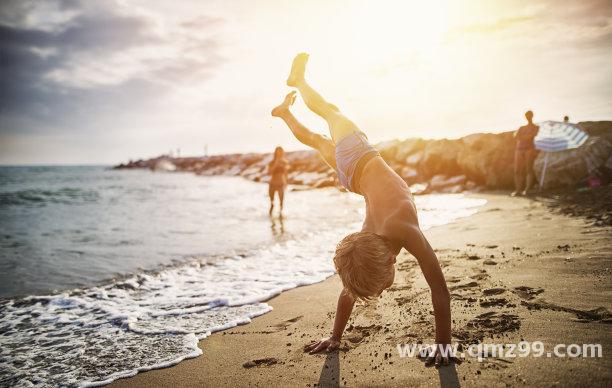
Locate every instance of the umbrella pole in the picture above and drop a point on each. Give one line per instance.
(544, 171)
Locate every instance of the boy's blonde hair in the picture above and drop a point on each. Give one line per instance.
(363, 262)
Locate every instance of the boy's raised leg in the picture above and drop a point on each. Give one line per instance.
(314, 140)
(339, 125)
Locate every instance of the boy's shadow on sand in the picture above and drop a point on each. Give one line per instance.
(448, 376)
(330, 373)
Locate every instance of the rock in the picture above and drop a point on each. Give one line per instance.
(440, 157)
(443, 183)
(414, 159)
(388, 150)
(455, 189)
(456, 180)
(307, 178)
(597, 128)
(571, 167)
(163, 165)
(418, 189)
(469, 185)
(234, 170)
(398, 151)
(248, 159)
(438, 179)
(325, 182)
(488, 159)
(409, 174)
(469, 163)
(409, 148)
(252, 172)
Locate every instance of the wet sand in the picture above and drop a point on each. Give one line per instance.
(517, 270)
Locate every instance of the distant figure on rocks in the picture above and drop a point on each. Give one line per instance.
(524, 156)
(278, 177)
(565, 119)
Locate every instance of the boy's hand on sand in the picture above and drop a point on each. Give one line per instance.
(324, 345)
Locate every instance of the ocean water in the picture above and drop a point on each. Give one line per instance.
(107, 273)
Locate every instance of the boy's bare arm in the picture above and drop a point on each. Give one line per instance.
(343, 313)
(400, 230)
(416, 243)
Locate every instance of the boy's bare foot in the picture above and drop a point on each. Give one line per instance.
(287, 102)
(298, 68)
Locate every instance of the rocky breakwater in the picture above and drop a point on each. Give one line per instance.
(307, 169)
(481, 160)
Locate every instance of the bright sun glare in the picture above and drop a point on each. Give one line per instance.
(372, 33)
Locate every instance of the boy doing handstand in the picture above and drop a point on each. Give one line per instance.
(365, 260)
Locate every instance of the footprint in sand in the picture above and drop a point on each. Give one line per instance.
(493, 291)
(399, 288)
(453, 279)
(403, 300)
(496, 302)
(356, 334)
(528, 293)
(596, 314)
(480, 274)
(407, 265)
(260, 362)
(487, 325)
(284, 324)
(464, 286)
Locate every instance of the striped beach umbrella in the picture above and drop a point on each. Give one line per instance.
(555, 136)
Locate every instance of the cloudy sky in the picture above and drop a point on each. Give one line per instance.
(105, 81)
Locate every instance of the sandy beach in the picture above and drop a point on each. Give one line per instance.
(520, 269)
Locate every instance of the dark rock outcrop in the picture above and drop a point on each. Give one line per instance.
(477, 160)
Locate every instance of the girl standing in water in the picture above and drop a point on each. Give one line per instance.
(278, 177)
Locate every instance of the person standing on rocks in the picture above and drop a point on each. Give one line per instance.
(278, 178)
(524, 156)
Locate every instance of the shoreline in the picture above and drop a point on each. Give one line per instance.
(513, 291)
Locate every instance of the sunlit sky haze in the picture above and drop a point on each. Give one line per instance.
(103, 82)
